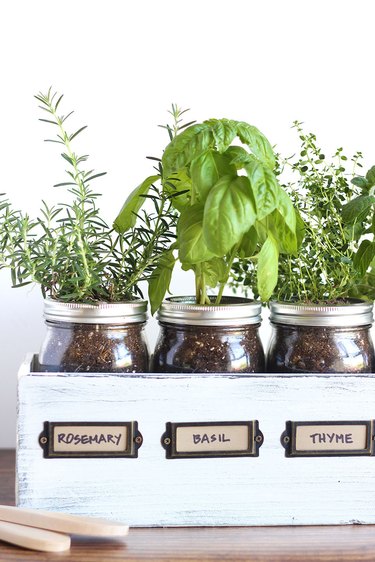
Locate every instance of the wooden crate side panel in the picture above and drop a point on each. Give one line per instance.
(151, 490)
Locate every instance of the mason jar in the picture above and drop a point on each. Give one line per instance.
(309, 338)
(105, 337)
(197, 338)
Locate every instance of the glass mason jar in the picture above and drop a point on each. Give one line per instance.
(198, 338)
(308, 338)
(94, 338)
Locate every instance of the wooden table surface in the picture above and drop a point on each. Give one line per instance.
(254, 544)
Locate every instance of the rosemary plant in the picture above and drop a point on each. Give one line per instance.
(69, 250)
(322, 270)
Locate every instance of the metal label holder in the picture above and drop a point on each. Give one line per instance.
(254, 440)
(294, 446)
(75, 444)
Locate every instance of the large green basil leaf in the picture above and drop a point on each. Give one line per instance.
(192, 246)
(215, 271)
(186, 146)
(178, 187)
(300, 228)
(287, 240)
(239, 157)
(224, 131)
(127, 216)
(206, 169)
(158, 283)
(229, 212)
(265, 188)
(267, 272)
(364, 256)
(257, 142)
(282, 222)
(248, 244)
(286, 210)
(361, 182)
(358, 208)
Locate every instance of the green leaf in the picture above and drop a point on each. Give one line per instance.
(77, 133)
(185, 147)
(300, 229)
(267, 268)
(282, 222)
(358, 208)
(364, 256)
(229, 212)
(353, 231)
(257, 142)
(361, 182)
(224, 131)
(179, 182)
(192, 246)
(48, 121)
(127, 216)
(160, 280)
(95, 176)
(21, 284)
(239, 157)
(265, 188)
(215, 271)
(206, 169)
(248, 244)
(286, 240)
(286, 209)
(370, 176)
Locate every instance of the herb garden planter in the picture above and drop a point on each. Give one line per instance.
(94, 338)
(208, 338)
(308, 338)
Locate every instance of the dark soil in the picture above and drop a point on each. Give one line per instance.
(208, 349)
(305, 349)
(94, 348)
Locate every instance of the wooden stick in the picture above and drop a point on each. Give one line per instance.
(32, 538)
(63, 522)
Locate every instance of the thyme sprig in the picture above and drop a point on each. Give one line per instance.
(319, 187)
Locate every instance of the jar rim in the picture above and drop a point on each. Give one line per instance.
(233, 311)
(126, 312)
(354, 312)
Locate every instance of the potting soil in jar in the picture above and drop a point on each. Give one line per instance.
(308, 338)
(94, 338)
(209, 338)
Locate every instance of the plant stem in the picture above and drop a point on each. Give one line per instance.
(229, 267)
(83, 191)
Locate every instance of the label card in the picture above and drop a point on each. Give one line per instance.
(212, 439)
(90, 439)
(331, 438)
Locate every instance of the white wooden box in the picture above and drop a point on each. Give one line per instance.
(154, 491)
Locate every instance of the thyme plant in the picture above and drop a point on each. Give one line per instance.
(359, 214)
(319, 187)
(69, 250)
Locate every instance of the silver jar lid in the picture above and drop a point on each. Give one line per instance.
(233, 311)
(351, 314)
(102, 313)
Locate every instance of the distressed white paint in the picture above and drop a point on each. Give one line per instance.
(151, 490)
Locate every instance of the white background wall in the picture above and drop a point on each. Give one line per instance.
(121, 64)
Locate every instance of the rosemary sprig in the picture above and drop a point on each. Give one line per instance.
(69, 250)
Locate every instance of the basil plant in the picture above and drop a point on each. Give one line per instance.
(219, 177)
